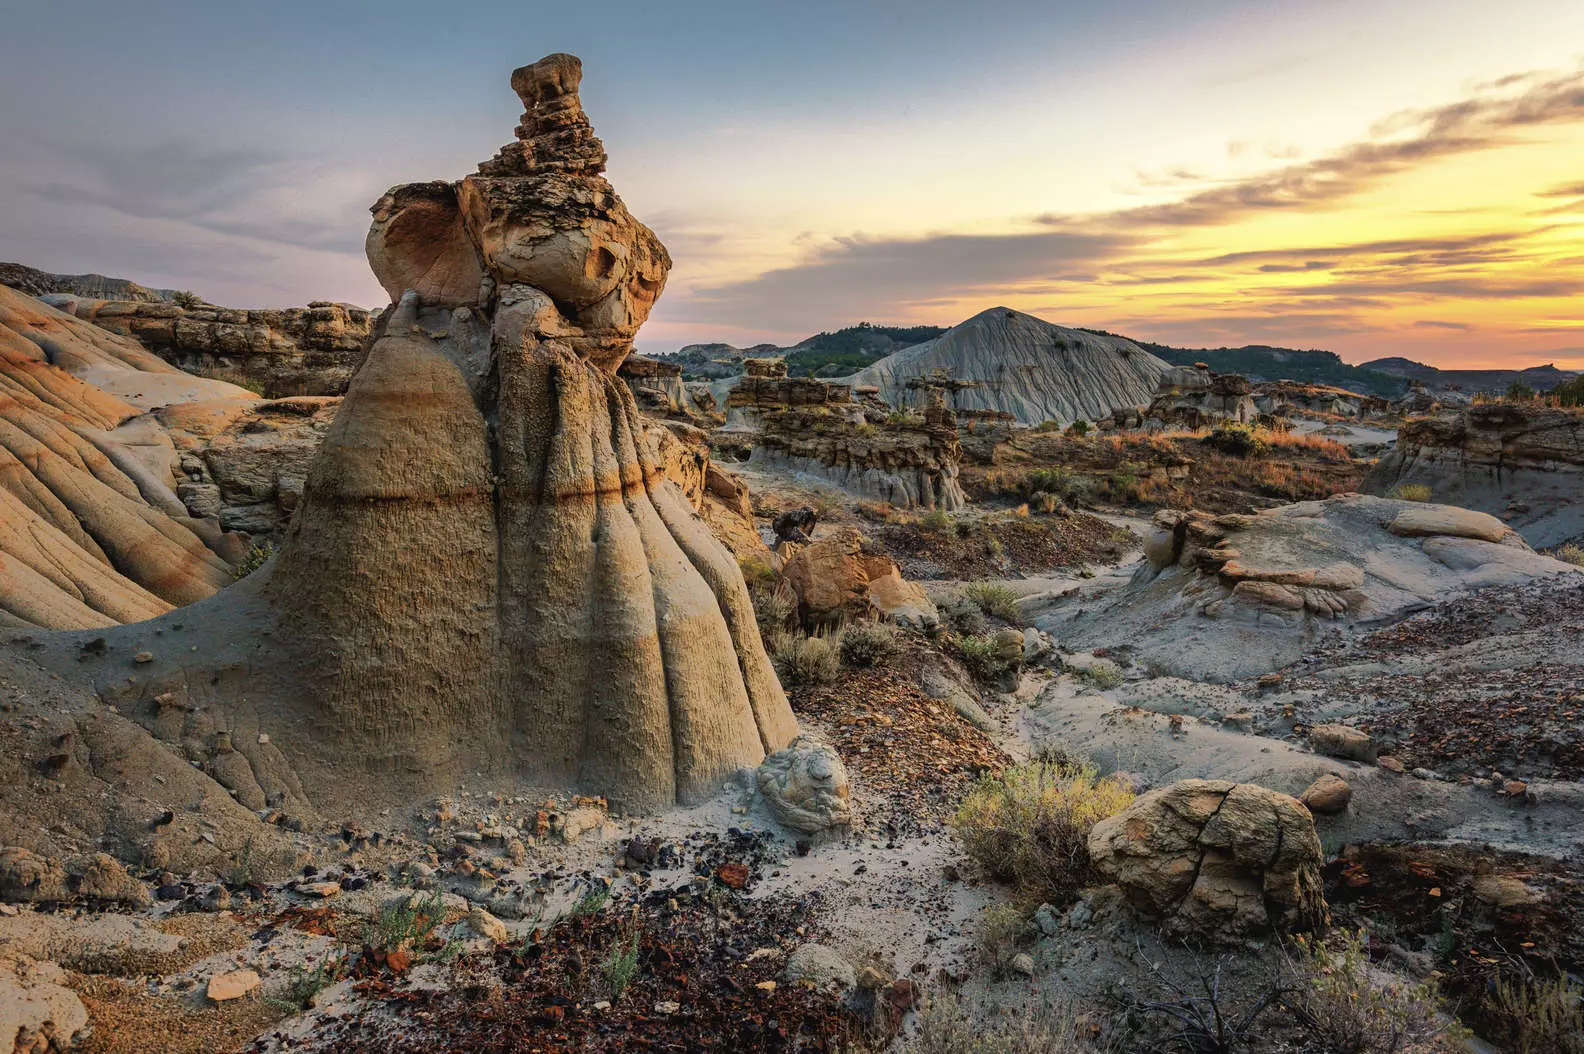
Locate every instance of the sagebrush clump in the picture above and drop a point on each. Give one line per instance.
(1030, 826)
(983, 658)
(1238, 440)
(995, 600)
(803, 659)
(1343, 1008)
(865, 644)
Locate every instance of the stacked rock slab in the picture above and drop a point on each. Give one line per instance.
(1523, 463)
(489, 571)
(295, 351)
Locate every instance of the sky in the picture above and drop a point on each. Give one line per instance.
(1391, 177)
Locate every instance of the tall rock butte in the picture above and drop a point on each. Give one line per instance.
(488, 572)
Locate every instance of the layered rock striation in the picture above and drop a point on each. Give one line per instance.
(297, 351)
(91, 532)
(1024, 366)
(1221, 597)
(816, 428)
(1521, 462)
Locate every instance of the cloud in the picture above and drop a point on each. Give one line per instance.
(1564, 190)
(849, 277)
(1430, 323)
(280, 199)
(863, 276)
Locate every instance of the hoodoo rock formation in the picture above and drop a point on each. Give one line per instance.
(488, 571)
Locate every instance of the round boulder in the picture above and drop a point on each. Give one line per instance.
(1215, 859)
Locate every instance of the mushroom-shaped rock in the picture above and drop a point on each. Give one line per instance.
(1215, 859)
(488, 571)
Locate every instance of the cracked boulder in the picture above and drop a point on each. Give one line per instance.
(1215, 859)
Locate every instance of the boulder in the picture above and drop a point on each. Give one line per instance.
(835, 580)
(1341, 741)
(231, 984)
(805, 786)
(1215, 860)
(1327, 795)
(821, 967)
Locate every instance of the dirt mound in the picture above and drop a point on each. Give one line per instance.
(1026, 367)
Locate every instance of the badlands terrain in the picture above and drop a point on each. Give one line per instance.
(448, 677)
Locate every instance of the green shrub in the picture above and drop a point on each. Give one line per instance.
(407, 922)
(1343, 1008)
(962, 615)
(995, 600)
(1079, 428)
(621, 965)
(257, 556)
(1030, 826)
(1102, 675)
(802, 659)
(307, 981)
(866, 644)
(936, 521)
(1001, 930)
(1538, 1017)
(1410, 492)
(186, 299)
(982, 657)
(1571, 554)
(1237, 439)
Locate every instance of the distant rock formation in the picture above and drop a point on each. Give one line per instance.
(1222, 597)
(1524, 463)
(298, 351)
(1194, 397)
(91, 533)
(1026, 367)
(489, 571)
(815, 427)
(33, 282)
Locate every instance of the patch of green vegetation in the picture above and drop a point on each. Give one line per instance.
(844, 351)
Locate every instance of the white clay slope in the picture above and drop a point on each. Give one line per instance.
(1025, 366)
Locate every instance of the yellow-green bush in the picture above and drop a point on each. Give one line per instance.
(1030, 826)
(1409, 492)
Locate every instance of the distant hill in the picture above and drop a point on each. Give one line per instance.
(33, 282)
(1262, 362)
(827, 354)
(1024, 366)
(1540, 378)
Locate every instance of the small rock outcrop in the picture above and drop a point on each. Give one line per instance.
(1216, 860)
(39, 1014)
(1230, 596)
(1194, 397)
(296, 351)
(1522, 463)
(834, 580)
(805, 786)
(814, 427)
